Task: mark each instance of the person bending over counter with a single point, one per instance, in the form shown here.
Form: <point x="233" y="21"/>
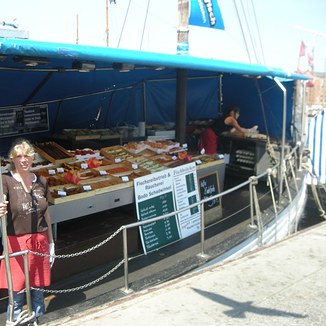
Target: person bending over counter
<point x="224" y="125"/>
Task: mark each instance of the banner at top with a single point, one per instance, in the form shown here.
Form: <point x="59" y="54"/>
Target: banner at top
<point x="205" y="13"/>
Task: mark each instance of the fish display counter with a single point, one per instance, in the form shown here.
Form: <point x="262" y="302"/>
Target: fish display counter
<point x="84" y="182"/>
<point x="249" y="154"/>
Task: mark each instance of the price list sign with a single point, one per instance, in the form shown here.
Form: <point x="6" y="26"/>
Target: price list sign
<point x="154" y="197"/>
<point x="209" y="186"/>
<point x="23" y="120"/>
<point x="187" y="193"/>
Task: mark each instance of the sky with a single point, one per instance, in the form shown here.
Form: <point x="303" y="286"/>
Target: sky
<point x="282" y="25"/>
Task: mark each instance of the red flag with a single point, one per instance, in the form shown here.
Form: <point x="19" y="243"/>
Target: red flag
<point x="302" y="49"/>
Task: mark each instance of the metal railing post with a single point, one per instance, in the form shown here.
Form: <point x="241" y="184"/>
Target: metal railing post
<point x="293" y="175"/>
<point x="27" y="285"/>
<point x="202" y="232"/>
<point x="287" y="186"/>
<point x="252" y="212"/>
<point x="125" y="257"/>
<point x="270" y="183"/>
<point x="7" y="260"/>
<point x="258" y="215"/>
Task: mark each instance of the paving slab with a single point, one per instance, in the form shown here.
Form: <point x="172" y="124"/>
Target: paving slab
<point x="279" y="285"/>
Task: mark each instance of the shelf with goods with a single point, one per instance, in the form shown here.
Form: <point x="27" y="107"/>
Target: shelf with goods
<point x="99" y="180"/>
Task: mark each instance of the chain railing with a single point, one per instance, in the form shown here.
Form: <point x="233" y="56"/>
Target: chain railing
<point x="255" y="218"/>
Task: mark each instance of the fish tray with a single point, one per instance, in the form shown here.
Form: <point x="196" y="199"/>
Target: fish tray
<point x="53" y="152"/>
<point x="87" y="188"/>
<point x="116" y="152"/>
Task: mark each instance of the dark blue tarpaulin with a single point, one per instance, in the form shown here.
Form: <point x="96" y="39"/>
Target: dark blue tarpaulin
<point x="104" y="95"/>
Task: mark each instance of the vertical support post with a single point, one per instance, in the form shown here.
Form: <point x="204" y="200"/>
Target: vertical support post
<point x="202" y="230"/>
<point x="27" y="284"/>
<point x="125" y="257"/>
<point x="202" y="233"/>
<point x="293" y="174"/>
<point x="270" y="183"/>
<point x="303" y="122"/>
<point x="7" y="261"/>
<point x="145" y="102"/>
<point x="258" y="213"/>
<point x="252" y="222"/>
<point x="181" y="106"/>
<point x="281" y="173"/>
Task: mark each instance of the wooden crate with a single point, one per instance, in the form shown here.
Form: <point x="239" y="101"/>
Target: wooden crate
<point x="99" y="185"/>
<point x="116" y="152"/>
<point x="54" y="153"/>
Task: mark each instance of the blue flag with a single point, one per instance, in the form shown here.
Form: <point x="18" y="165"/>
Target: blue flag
<point x="206" y="13"/>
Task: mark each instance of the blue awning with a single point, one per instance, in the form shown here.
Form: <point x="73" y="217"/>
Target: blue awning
<point x="61" y="56"/>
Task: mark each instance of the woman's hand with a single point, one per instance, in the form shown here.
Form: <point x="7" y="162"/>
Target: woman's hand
<point x="52" y="253"/>
<point x="254" y="129"/>
<point x="3" y="208"/>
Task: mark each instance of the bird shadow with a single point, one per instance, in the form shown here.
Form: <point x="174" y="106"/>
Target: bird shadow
<point x="239" y="309"/>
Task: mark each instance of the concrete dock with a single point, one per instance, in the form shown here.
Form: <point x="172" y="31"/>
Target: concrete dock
<point x="283" y="284"/>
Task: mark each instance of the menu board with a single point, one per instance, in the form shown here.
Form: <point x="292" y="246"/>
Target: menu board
<point x="186" y="194"/>
<point x="209" y="186"/>
<point x="23" y="120"/>
<point x="154" y="198"/>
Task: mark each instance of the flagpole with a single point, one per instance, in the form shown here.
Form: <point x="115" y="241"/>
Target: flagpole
<point x="107" y="23"/>
<point x="77" y="29"/>
<point x="183" y="30"/>
<point x="6" y="255"/>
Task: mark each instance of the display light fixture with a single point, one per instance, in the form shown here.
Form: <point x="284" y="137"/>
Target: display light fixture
<point x="83" y="66"/>
<point x="31" y="61"/>
<point x="123" y="67"/>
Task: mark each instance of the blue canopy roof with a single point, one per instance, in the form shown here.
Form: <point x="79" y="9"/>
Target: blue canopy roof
<point x="61" y="56"/>
<point x="35" y="73"/>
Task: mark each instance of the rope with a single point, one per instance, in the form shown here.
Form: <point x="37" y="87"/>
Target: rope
<point x="310" y="169"/>
<point x="124" y="23"/>
<point x="262" y="106"/>
<point x="145" y="22"/>
<point x="314" y="189"/>
<point x="242" y="31"/>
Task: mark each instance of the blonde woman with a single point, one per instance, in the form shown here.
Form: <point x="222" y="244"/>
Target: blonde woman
<point x="28" y="227"/>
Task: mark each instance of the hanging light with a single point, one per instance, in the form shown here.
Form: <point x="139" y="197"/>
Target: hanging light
<point x="83" y="66"/>
<point x="31" y="61"/>
<point x="123" y="67"/>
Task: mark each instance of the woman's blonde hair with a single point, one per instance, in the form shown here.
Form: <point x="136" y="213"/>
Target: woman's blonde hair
<point x="18" y="147"/>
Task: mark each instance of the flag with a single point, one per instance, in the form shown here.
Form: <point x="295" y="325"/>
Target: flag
<point x="302" y="49"/>
<point x="205" y="13"/>
<point x="306" y="63"/>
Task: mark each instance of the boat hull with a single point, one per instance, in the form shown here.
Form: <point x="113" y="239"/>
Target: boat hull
<point x="277" y="228"/>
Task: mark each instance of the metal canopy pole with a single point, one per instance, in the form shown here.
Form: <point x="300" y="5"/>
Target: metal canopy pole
<point x="181" y="106"/>
<point x="181" y="87"/>
<point x="281" y="172"/>
<point x="7" y="262"/>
